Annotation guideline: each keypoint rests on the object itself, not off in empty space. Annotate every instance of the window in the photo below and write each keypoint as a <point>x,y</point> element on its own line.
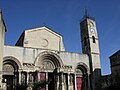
<point>93,38</point>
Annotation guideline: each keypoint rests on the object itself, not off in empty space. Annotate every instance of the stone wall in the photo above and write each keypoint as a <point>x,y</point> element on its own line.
<point>2,30</point>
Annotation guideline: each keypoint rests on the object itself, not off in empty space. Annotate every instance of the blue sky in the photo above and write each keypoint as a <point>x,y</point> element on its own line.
<point>63,16</point>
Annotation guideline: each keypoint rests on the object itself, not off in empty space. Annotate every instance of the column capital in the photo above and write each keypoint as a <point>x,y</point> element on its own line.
<point>61,70</point>
<point>20,70</point>
<point>27,72</point>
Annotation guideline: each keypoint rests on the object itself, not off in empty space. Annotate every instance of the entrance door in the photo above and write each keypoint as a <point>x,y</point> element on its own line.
<point>79,83</point>
<point>9,81</point>
<point>43,77</point>
<point>51,85</point>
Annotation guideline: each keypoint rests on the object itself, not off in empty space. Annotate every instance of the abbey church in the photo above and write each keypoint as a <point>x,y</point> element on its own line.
<point>39,55</point>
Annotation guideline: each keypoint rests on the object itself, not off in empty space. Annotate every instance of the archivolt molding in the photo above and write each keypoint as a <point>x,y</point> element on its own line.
<point>84,66</point>
<point>10,59</point>
<point>50,57</point>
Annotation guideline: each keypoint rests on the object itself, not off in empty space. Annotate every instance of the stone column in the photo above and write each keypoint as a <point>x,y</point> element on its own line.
<point>31,77</point>
<point>61,81</point>
<point>56,77</point>
<point>58,80</point>
<point>68,81</point>
<point>71,87</point>
<point>27,78</point>
<point>47,79</point>
<point>15,81</point>
<point>75,84</point>
<point>19,77</point>
<point>38,76</point>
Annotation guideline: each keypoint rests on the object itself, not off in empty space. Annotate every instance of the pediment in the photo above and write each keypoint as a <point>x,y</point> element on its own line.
<point>46,29</point>
<point>42,37</point>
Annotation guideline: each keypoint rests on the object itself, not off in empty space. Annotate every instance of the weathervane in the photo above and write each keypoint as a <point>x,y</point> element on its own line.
<point>87,14</point>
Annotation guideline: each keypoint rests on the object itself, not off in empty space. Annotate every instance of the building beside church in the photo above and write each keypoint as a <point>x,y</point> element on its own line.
<point>39,54</point>
<point>114,78</point>
<point>112,81</point>
<point>115,63</point>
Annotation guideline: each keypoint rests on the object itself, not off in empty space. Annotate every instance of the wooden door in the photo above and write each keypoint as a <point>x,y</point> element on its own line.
<point>43,77</point>
<point>79,83</point>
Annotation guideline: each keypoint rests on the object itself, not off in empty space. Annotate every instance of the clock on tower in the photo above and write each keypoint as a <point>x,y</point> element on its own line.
<point>92,30</point>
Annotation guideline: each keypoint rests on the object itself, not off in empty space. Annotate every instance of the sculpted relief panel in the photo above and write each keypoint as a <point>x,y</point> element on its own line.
<point>8,69</point>
<point>48,65</point>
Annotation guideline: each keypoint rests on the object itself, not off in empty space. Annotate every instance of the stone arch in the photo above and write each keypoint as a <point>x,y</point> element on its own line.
<point>11,59</point>
<point>11,67</point>
<point>83,66</point>
<point>48,58</point>
<point>82,73</point>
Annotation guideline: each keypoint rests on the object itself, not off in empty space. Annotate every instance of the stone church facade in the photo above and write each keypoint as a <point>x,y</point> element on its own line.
<point>39,54</point>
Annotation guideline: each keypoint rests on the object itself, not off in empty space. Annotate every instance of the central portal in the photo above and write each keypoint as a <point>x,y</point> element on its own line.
<point>51,85</point>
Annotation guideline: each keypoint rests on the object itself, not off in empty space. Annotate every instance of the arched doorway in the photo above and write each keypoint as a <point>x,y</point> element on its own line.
<point>48,63</point>
<point>10,74</point>
<point>81,78</point>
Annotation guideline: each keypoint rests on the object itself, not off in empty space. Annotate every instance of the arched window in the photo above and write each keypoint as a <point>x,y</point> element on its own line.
<point>93,38</point>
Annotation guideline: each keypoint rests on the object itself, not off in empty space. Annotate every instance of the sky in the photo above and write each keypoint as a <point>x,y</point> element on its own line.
<point>63,16</point>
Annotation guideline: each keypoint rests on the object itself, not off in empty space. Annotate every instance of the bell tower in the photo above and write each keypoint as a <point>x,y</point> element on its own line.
<point>2,30</point>
<point>90,46</point>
